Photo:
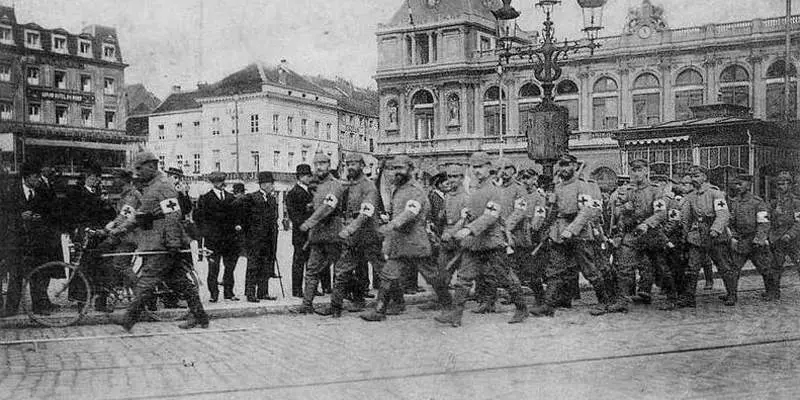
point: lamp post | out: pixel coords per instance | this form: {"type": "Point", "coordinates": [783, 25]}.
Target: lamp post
{"type": "Point", "coordinates": [549, 137]}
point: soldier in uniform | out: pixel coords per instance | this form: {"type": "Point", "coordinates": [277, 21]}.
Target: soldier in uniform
{"type": "Point", "coordinates": [323, 227]}
{"type": "Point", "coordinates": [159, 229]}
{"type": "Point", "coordinates": [578, 204]}
{"type": "Point", "coordinates": [705, 218]}
{"type": "Point", "coordinates": [784, 235]}
{"type": "Point", "coordinates": [675, 250]}
{"type": "Point", "coordinates": [130, 200]}
{"type": "Point", "coordinates": [749, 235]}
{"type": "Point", "coordinates": [641, 210]}
{"type": "Point", "coordinates": [483, 241]}
{"type": "Point", "coordinates": [406, 241]}
{"type": "Point", "coordinates": [360, 236]}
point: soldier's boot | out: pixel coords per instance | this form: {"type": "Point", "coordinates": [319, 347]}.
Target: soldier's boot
{"type": "Point", "coordinates": [602, 299]}
{"type": "Point", "coordinates": [193, 322]}
{"type": "Point", "coordinates": [430, 306]}
{"type": "Point", "coordinates": [486, 307]}
{"type": "Point", "coordinates": [642, 298]}
{"type": "Point", "coordinates": [379, 313]}
{"type": "Point", "coordinates": [731, 288]}
{"type": "Point", "coordinates": [521, 314]}
{"type": "Point", "coordinates": [443, 298]}
{"type": "Point", "coordinates": [304, 308]}
{"type": "Point", "coordinates": [774, 289]}
{"type": "Point", "coordinates": [544, 310]}
{"type": "Point", "coordinates": [398, 305]}
{"type": "Point", "coordinates": [356, 306]}
{"type": "Point", "coordinates": [538, 293]}
{"type": "Point", "coordinates": [101, 303]}
{"type": "Point", "coordinates": [620, 305]}
{"type": "Point", "coordinates": [453, 316]}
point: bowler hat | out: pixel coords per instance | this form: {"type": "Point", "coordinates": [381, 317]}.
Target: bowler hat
{"type": "Point", "coordinates": [174, 171]}
{"type": "Point", "coordinates": [143, 157]}
{"type": "Point", "coordinates": [265, 177]}
{"type": "Point", "coordinates": [438, 178]}
{"type": "Point", "coordinates": [321, 157]}
{"type": "Point", "coordinates": [216, 176]}
{"type": "Point", "coordinates": [238, 187]}
{"type": "Point", "coordinates": [303, 169]}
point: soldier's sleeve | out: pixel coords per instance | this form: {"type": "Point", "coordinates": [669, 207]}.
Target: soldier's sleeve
{"type": "Point", "coordinates": [330, 203]}
{"type": "Point", "coordinates": [660, 204]}
{"type": "Point", "coordinates": [589, 212]}
{"type": "Point", "coordinates": [539, 213]}
{"type": "Point", "coordinates": [617, 200]}
{"type": "Point", "coordinates": [762, 220]}
{"type": "Point", "coordinates": [126, 212]}
{"type": "Point", "coordinates": [490, 216]}
{"type": "Point", "coordinates": [518, 214]}
{"type": "Point", "coordinates": [721, 212]}
{"type": "Point", "coordinates": [413, 209]}
{"type": "Point", "coordinates": [173, 225]}
{"type": "Point", "coordinates": [366, 210]}
{"type": "Point", "coordinates": [794, 231]}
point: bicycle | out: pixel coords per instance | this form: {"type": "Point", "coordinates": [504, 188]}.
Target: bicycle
{"type": "Point", "coordinates": [70, 295]}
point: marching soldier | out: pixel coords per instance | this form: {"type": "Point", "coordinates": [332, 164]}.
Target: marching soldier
{"type": "Point", "coordinates": [641, 209]}
{"type": "Point", "coordinates": [750, 230]}
{"type": "Point", "coordinates": [784, 234]}
{"type": "Point", "coordinates": [129, 201]}
{"type": "Point", "coordinates": [483, 242]}
{"type": "Point", "coordinates": [160, 229]}
{"type": "Point", "coordinates": [675, 251]}
{"type": "Point", "coordinates": [362, 241]}
{"type": "Point", "coordinates": [323, 227]}
{"type": "Point", "coordinates": [577, 203]}
{"type": "Point", "coordinates": [406, 241]}
{"type": "Point", "coordinates": [705, 218]}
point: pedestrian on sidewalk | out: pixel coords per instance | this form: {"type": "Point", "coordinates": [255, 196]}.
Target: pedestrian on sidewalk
{"type": "Point", "coordinates": [216, 219]}
{"type": "Point", "coordinates": [299, 207]}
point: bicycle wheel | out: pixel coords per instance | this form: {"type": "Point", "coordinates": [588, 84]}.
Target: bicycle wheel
{"type": "Point", "coordinates": [59, 294]}
{"type": "Point", "coordinates": [164, 308]}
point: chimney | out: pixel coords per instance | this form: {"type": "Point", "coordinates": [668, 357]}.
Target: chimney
{"type": "Point", "coordinates": [282, 72]}
{"type": "Point", "coordinates": [176, 89]}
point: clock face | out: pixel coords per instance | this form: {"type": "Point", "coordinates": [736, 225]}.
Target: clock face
{"type": "Point", "coordinates": [644, 32]}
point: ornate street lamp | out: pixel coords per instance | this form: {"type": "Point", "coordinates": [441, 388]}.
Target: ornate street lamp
{"type": "Point", "coordinates": [549, 137]}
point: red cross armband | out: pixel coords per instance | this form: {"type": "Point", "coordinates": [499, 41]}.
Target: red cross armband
{"type": "Point", "coordinates": [492, 209]}
{"type": "Point", "coordinates": [521, 204]}
{"type": "Point", "coordinates": [169, 206]}
{"type": "Point", "coordinates": [720, 205]}
{"type": "Point", "coordinates": [367, 209]}
{"type": "Point", "coordinates": [330, 200]}
{"type": "Point", "coordinates": [659, 205]}
{"type": "Point", "coordinates": [762, 217]}
{"type": "Point", "coordinates": [413, 207]}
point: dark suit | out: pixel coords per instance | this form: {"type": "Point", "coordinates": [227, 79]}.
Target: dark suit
{"type": "Point", "coordinates": [299, 206]}
{"type": "Point", "coordinates": [258, 216]}
{"type": "Point", "coordinates": [29, 243]}
{"type": "Point", "coordinates": [216, 219]}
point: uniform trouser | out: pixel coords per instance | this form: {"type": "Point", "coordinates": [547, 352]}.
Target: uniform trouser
{"type": "Point", "coordinates": [676, 260]}
{"type": "Point", "coordinates": [445, 256]}
{"type": "Point", "coordinates": [392, 273]}
{"type": "Point", "coordinates": [260, 266]}
{"type": "Point", "coordinates": [322, 256]}
{"type": "Point", "coordinates": [38, 286]}
{"type": "Point", "coordinates": [530, 270]}
{"type": "Point", "coordinates": [346, 275]}
{"type": "Point", "coordinates": [494, 267]}
{"type": "Point", "coordinates": [565, 260]}
{"type": "Point", "coordinates": [782, 249]}
{"type": "Point", "coordinates": [410, 277]}
{"type": "Point", "coordinates": [299, 260]}
{"type": "Point", "coordinates": [719, 253]}
{"type": "Point", "coordinates": [765, 264]}
{"type": "Point", "coordinates": [631, 257]}
{"type": "Point", "coordinates": [168, 269]}
{"type": "Point", "coordinates": [229, 255]}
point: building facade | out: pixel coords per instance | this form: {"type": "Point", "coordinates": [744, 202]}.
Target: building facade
{"type": "Point", "coordinates": [61, 101]}
{"type": "Point", "coordinates": [442, 98]}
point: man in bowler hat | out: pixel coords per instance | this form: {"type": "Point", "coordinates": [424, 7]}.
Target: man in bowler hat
{"type": "Point", "coordinates": [258, 221]}
{"type": "Point", "coordinates": [300, 206]}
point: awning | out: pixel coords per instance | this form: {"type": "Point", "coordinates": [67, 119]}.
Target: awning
{"type": "Point", "coordinates": [81, 145]}
{"type": "Point", "coordinates": [660, 140]}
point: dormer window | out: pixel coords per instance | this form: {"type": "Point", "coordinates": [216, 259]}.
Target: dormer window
{"type": "Point", "coordinates": [85, 48]}
{"type": "Point", "coordinates": [109, 52]}
{"type": "Point", "coordinates": [5, 35]}
{"type": "Point", "coordinates": [60, 44]}
{"type": "Point", "coordinates": [33, 40]}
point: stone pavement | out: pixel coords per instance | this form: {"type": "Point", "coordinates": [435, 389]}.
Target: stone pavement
{"type": "Point", "coordinates": [708, 352]}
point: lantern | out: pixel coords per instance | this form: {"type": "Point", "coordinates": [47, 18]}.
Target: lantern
{"type": "Point", "coordinates": [548, 5]}
{"type": "Point", "coordinates": [592, 17]}
{"type": "Point", "coordinates": [506, 23]}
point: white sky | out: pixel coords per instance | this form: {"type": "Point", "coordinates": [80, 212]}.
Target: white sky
{"type": "Point", "coordinates": [182, 42]}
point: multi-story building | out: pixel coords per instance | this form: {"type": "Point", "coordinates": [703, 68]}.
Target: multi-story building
{"type": "Point", "coordinates": [441, 97]}
{"type": "Point", "coordinates": [60, 96]}
{"type": "Point", "coordinates": [358, 123]}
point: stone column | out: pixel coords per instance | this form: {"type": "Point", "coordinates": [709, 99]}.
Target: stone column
{"type": "Point", "coordinates": [413, 49]}
{"type": "Point", "coordinates": [712, 81]}
{"type": "Point", "coordinates": [668, 98]}
{"type": "Point", "coordinates": [759, 88]}
{"type": "Point", "coordinates": [585, 101]}
{"type": "Point", "coordinates": [478, 104]}
{"type": "Point", "coordinates": [625, 99]}
{"type": "Point", "coordinates": [462, 121]}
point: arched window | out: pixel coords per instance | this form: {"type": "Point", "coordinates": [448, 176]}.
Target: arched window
{"type": "Point", "coordinates": [605, 104]}
{"type": "Point", "coordinates": [453, 109]}
{"type": "Point", "coordinates": [646, 100]}
{"type": "Point", "coordinates": [422, 105]}
{"type": "Point", "coordinates": [494, 112]}
{"type": "Point", "coordinates": [735, 86]}
{"type": "Point", "coordinates": [567, 96]}
{"type": "Point", "coordinates": [776, 74]}
{"type": "Point", "coordinates": [688, 93]}
{"type": "Point", "coordinates": [391, 115]}
{"type": "Point", "coordinates": [529, 96]}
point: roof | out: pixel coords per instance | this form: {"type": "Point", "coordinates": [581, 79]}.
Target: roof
{"type": "Point", "coordinates": [178, 102]}
{"type": "Point", "coordinates": [423, 13]}
{"type": "Point", "coordinates": [351, 98]}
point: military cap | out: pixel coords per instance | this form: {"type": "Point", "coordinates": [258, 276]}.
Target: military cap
{"type": "Point", "coordinates": [454, 169]}
{"type": "Point", "coordinates": [784, 176]}
{"type": "Point", "coordinates": [438, 178]}
{"type": "Point", "coordinates": [639, 163]}
{"type": "Point", "coordinates": [686, 179]}
{"type": "Point", "coordinates": [174, 171]}
{"type": "Point", "coordinates": [216, 176]}
{"type": "Point", "coordinates": [659, 178]}
{"type": "Point", "coordinates": [506, 163]}
{"type": "Point", "coordinates": [30, 168]}
{"type": "Point", "coordinates": [353, 157]}
{"type": "Point", "coordinates": [238, 187]}
{"type": "Point", "coordinates": [530, 166]}
{"type": "Point", "coordinates": [143, 157]}
{"type": "Point", "coordinates": [401, 160]}
{"type": "Point", "coordinates": [479, 158]}
{"type": "Point", "coordinates": [302, 170]}
{"type": "Point", "coordinates": [321, 157]}
{"type": "Point", "coordinates": [265, 177]}
{"type": "Point", "coordinates": [744, 178]}
{"type": "Point", "coordinates": [567, 159]}
{"type": "Point", "coordinates": [698, 169]}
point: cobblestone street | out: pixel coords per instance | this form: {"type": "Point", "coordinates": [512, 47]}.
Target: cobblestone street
{"type": "Point", "coordinates": [749, 351]}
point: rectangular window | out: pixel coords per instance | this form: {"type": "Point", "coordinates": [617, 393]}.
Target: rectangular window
{"type": "Point", "coordinates": [289, 125]}
{"type": "Point", "coordinates": [684, 100]}
{"type": "Point", "coordinates": [256, 160]}
{"type": "Point", "coordinates": [572, 107]}
{"type": "Point", "coordinates": [605, 113]}
{"type": "Point", "coordinates": [86, 83]}
{"type": "Point", "coordinates": [316, 129]}
{"type": "Point", "coordinates": [6, 111]}
{"type": "Point", "coordinates": [196, 128]}
{"type": "Point", "coordinates": [33, 40]}
{"type": "Point", "coordinates": [85, 48]}
{"type": "Point", "coordinates": [646, 109]}
{"type": "Point", "coordinates": [34, 113]}
{"type": "Point", "coordinates": [60, 80]}
{"type": "Point", "coordinates": [486, 43]}
{"type": "Point", "coordinates": [59, 44]}
{"type": "Point", "coordinates": [328, 131]}
{"type": "Point", "coordinates": [179, 160]}
{"type": "Point", "coordinates": [108, 86]}
{"type": "Point", "coordinates": [291, 160]}
{"type": "Point", "coordinates": [5, 73]}
{"type": "Point", "coordinates": [276, 158]}
{"type": "Point", "coordinates": [179, 130]}
{"type": "Point", "coordinates": [303, 127]}
{"type": "Point", "coordinates": [5, 35]}
{"type": "Point", "coordinates": [196, 164]}
{"type": "Point", "coordinates": [61, 115]}
{"type": "Point", "coordinates": [739, 95]}
{"type": "Point", "coordinates": [33, 76]}
{"type": "Point", "coordinates": [254, 123]}
{"type": "Point", "coordinates": [111, 117]}
{"type": "Point", "coordinates": [776, 101]}
{"type": "Point", "coordinates": [161, 134]}
{"type": "Point", "coordinates": [109, 52]}
{"type": "Point", "coordinates": [215, 157]}
{"type": "Point", "coordinates": [162, 162]}
{"type": "Point", "coordinates": [275, 122]}
{"type": "Point", "coordinates": [215, 126]}
{"type": "Point", "coordinates": [304, 156]}
{"type": "Point", "coordinates": [86, 117]}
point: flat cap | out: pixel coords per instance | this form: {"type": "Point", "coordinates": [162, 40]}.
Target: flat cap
{"type": "Point", "coordinates": [530, 166]}
{"type": "Point", "coordinates": [321, 157]}
{"type": "Point", "coordinates": [438, 178]}
{"type": "Point", "coordinates": [265, 177]}
{"type": "Point", "coordinates": [639, 163]}
{"type": "Point", "coordinates": [216, 176]}
{"type": "Point", "coordinates": [504, 163]}
{"type": "Point", "coordinates": [567, 159]}
{"type": "Point", "coordinates": [698, 169]}
{"type": "Point", "coordinates": [303, 169]}
{"type": "Point", "coordinates": [659, 178]}
{"type": "Point", "coordinates": [353, 157]}
{"type": "Point", "coordinates": [143, 157]}
{"type": "Point", "coordinates": [401, 160]}
{"type": "Point", "coordinates": [479, 158]}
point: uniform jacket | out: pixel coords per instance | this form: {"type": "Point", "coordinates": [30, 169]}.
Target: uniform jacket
{"type": "Point", "coordinates": [484, 208]}
{"type": "Point", "coordinates": [672, 226]}
{"type": "Point", "coordinates": [705, 210]}
{"type": "Point", "coordinates": [326, 222]}
{"type": "Point", "coordinates": [166, 230]}
{"type": "Point", "coordinates": [299, 206]}
{"type": "Point", "coordinates": [360, 215]}
{"type": "Point", "coordinates": [579, 205]}
{"type": "Point", "coordinates": [129, 201]}
{"type": "Point", "coordinates": [509, 193]}
{"type": "Point", "coordinates": [216, 218]}
{"type": "Point", "coordinates": [257, 214]}
{"type": "Point", "coordinates": [646, 204]}
{"type": "Point", "coordinates": [406, 234]}
{"type": "Point", "coordinates": [437, 214]}
{"type": "Point", "coordinates": [88, 209]}
{"type": "Point", "coordinates": [749, 220]}
{"type": "Point", "coordinates": [785, 217]}
{"type": "Point", "coordinates": [455, 214]}
{"type": "Point", "coordinates": [527, 217]}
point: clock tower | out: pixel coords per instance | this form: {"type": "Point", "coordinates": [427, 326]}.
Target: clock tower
{"type": "Point", "coordinates": [645, 19]}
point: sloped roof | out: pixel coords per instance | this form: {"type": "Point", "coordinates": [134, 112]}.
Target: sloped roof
{"type": "Point", "coordinates": [243, 81]}
{"type": "Point", "coordinates": [140, 100]}
{"type": "Point", "coordinates": [179, 101]}
{"type": "Point", "coordinates": [423, 13]}
{"type": "Point", "coordinates": [351, 98]}
{"type": "Point", "coordinates": [292, 80]}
